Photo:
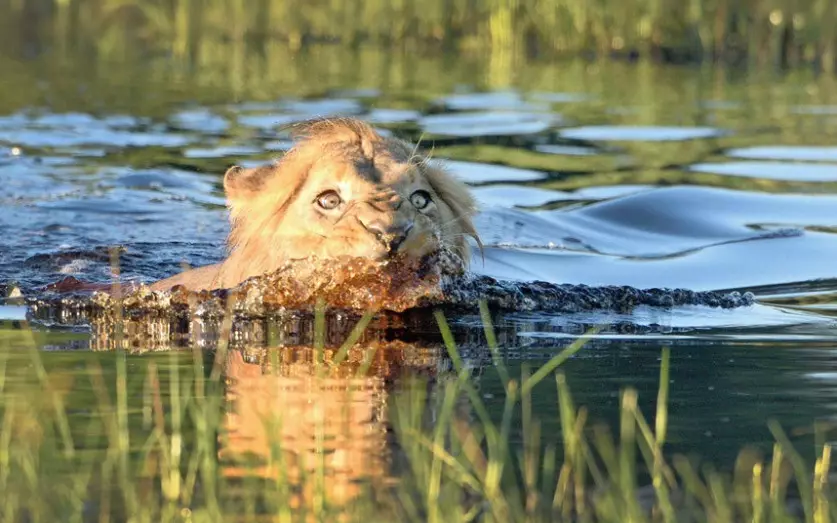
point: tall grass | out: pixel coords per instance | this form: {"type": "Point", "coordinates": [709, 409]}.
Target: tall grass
{"type": "Point", "coordinates": [156, 447]}
{"type": "Point", "coordinates": [781, 32]}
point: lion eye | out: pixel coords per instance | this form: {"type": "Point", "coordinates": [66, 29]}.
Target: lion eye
{"type": "Point", "coordinates": [420, 199]}
{"type": "Point", "coordinates": [329, 200]}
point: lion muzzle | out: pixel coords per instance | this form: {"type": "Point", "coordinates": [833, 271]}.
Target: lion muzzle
{"type": "Point", "coordinates": [391, 236]}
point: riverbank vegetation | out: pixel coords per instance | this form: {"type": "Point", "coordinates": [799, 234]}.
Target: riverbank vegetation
{"type": "Point", "coordinates": [779, 33]}
{"type": "Point", "coordinates": [102, 442]}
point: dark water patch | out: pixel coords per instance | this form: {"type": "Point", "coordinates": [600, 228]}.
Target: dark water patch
{"type": "Point", "coordinates": [53, 261]}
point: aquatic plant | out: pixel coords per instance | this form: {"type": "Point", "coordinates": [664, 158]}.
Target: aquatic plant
{"type": "Point", "coordinates": [782, 33]}
{"type": "Point", "coordinates": [157, 446]}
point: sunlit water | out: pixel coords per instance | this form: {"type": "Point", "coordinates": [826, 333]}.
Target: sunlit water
{"type": "Point", "coordinates": [619, 174]}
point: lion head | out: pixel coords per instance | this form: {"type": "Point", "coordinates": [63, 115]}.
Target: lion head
{"type": "Point", "coordinates": [343, 190]}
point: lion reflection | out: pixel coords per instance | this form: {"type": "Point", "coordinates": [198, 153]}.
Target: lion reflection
{"type": "Point", "coordinates": [294, 414]}
{"type": "Point", "coordinates": [306, 419]}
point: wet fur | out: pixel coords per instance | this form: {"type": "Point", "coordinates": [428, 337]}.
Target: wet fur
{"type": "Point", "coordinates": [261, 239]}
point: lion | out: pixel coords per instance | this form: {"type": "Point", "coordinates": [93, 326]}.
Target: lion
{"type": "Point", "coordinates": [342, 191]}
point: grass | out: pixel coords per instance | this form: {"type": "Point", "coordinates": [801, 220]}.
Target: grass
{"type": "Point", "coordinates": [780, 32]}
{"type": "Point", "coordinates": [102, 443]}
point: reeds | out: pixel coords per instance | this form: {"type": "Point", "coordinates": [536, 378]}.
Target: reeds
{"type": "Point", "coordinates": [144, 448]}
{"type": "Point", "coordinates": [782, 32]}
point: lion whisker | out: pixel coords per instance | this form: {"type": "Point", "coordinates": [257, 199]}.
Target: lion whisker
{"type": "Point", "coordinates": [429, 156]}
{"type": "Point", "coordinates": [454, 221]}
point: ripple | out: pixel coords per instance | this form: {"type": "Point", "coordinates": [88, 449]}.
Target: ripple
{"type": "Point", "coordinates": [355, 93]}
{"type": "Point", "coordinates": [607, 192]}
{"type": "Point", "coordinates": [688, 318]}
{"type": "Point", "coordinates": [269, 121]}
{"type": "Point", "coordinates": [101, 206]}
{"type": "Point", "coordinates": [489, 101]}
{"type": "Point", "coordinates": [221, 151]}
{"type": "Point", "coordinates": [720, 105]}
{"type": "Point", "coordinates": [124, 121]}
{"type": "Point", "coordinates": [278, 145]}
{"type": "Point", "coordinates": [65, 120]}
{"type": "Point", "coordinates": [72, 120]}
{"type": "Point", "coordinates": [14, 120]}
{"type": "Point", "coordinates": [786, 152]}
{"type": "Point", "coordinates": [509, 195]}
{"type": "Point", "coordinates": [324, 107]}
{"type": "Point", "coordinates": [200, 120]}
{"type": "Point", "coordinates": [504, 195]}
{"type": "Point", "coordinates": [488, 123]}
{"type": "Point", "coordinates": [771, 170]}
{"type": "Point", "coordinates": [561, 98]}
{"type": "Point", "coordinates": [639, 133]}
{"type": "Point", "coordinates": [566, 150]}
{"type": "Point", "coordinates": [107, 137]}
{"type": "Point", "coordinates": [80, 129]}
{"type": "Point", "coordinates": [827, 110]}
{"type": "Point", "coordinates": [148, 180]}
{"type": "Point", "coordinates": [473, 172]}
{"type": "Point", "coordinates": [155, 179]}
{"type": "Point", "coordinates": [376, 116]}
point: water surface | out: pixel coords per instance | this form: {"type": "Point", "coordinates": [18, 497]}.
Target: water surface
{"type": "Point", "coordinates": [608, 174]}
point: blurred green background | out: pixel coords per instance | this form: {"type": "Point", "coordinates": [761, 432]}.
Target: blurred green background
{"type": "Point", "coordinates": [766, 32]}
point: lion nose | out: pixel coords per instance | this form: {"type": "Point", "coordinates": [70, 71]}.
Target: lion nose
{"type": "Point", "coordinates": [391, 236]}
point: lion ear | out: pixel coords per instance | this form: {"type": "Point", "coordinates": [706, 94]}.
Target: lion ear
{"type": "Point", "coordinates": [241, 183]}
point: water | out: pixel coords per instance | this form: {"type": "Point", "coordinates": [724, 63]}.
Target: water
{"type": "Point", "coordinates": [608, 174]}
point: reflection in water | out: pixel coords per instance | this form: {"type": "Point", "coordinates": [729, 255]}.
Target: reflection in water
{"type": "Point", "coordinates": [314, 420]}
{"type": "Point", "coordinates": [329, 421]}
{"type": "Point", "coordinates": [729, 376]}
